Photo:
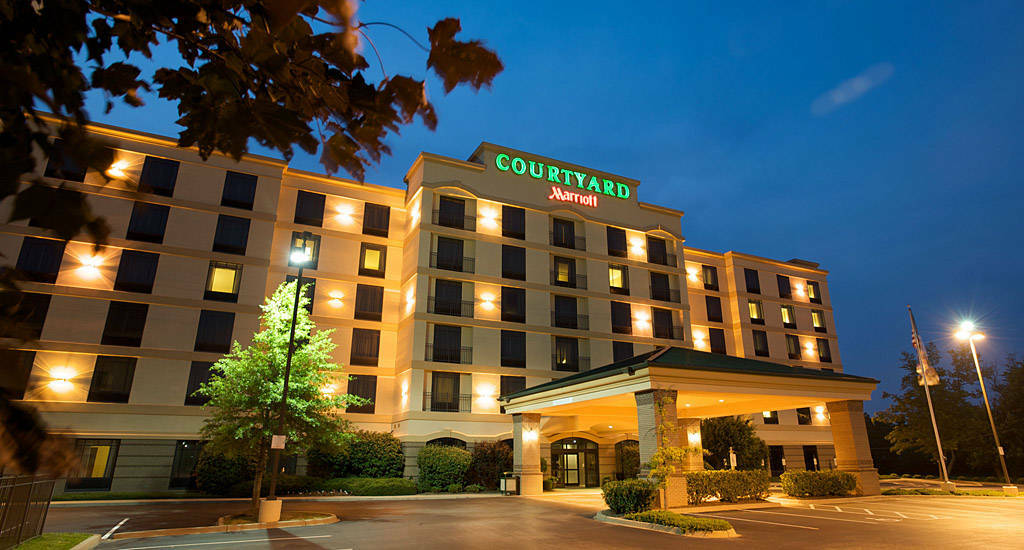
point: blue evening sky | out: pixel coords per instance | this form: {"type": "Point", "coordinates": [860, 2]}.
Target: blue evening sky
{"type": "Point", "coordinates": [881, 139]}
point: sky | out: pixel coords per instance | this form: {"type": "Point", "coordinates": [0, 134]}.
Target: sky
{"type": "Point", "coordinates": [880, 139]}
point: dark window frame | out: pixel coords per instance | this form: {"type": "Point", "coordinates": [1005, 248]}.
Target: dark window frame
{"type": "Point", "coordinates": [716, 336]}
{"type": "Point", "coordinates": [613, 236]}
{"type": "Point", "coordinates": [513, 222]}
{"type": "Point", "coordinates": [620, 352]}
{"type": "Point", "coordinates": [126, 331]}
{"type": "Point", "coordinates": [513, 349]}
{"type": "Point", "coordinates": [713, 283]}
{"type": "Point", "coordinates": [510, 255]}
{"type": "Point", "coordinates": [369, 302]}
{"type": "Point", "coordinates": [159, 176]}
{"type": "Point", "coordinates": [513, 299]}
{"type": "Point", "coordinates": [785, 287]}
{"type": "Point", "coordinates": [109, 365]}
{"type": "Point", "coordinates": [145, 264]}
{"type": "Point", "coordinates": [239, 190]}
{"type": "Point", "coordinates": [16, 371]}
{"type": "Point", "coordinates": [376, 219]}
{"type": "Point", "coordinates": [365, 348]}
{"type": "Point", "coordinates": [198, 374]}
{"type": "Point", "coordinates": [138, 223]}
{"type": "Point", "coordinates": [365, 386]}
{"type": "Point", "coordinates": [309, 208]}
{"type": "Point", "coordinates": [227, 238]}
{"type": "Point", "coordinates": [212, 342]}
{"type": "Point", "coordinates": [710, 310]}
{"type": "Point", "coordinates": [40, 259]}
{"type": "Point", "coordinates": [761, 351]}
{"type": "Point", "coordinates": [752, 280]}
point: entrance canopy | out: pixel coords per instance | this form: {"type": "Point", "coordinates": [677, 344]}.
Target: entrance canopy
{"type": "Point", "coordinates": [707, 385]}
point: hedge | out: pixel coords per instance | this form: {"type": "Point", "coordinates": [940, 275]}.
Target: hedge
{"type": "Point", "coordinates": [629, 495]}
{"type": "Point", "coordinates": [441, 466]}
{"type": "Point", "coordinates": [367, 454]}
{"type": "Point", "coordinates": [687, 524]}
{"type": "Point", "coordinates": [489, 460]}
{"type": "Point", "coordinates": [286, 485]}
{"type": "Point", "coordinates": [370, 486]}
{"type": "Point", "coordinates": [818, 484]}
{"type": "Point", "coordinates": [726, 485]}
{"type": "Point", "coordinates": [217, 474]}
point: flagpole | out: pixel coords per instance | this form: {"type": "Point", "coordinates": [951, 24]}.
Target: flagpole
{"type": "Point", "coordinates": [923, 369]}
{"type": "Point", "coordinates": [935, 428]}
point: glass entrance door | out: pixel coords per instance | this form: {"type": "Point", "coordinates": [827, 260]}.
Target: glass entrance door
{"type": "Point", "coordinates": [574, 462]}
{"type": "Point", "coordinates": [571, 469]}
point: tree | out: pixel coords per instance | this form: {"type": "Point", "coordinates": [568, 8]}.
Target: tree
{"type": "Point", "coordinates": [1009, 413]}
{"type": "Point", "coordinates": [910, 461]}
{"type": "Point", "coordinates": [718, 435]}
{"type": "Point", "coordinates": [245, 390]}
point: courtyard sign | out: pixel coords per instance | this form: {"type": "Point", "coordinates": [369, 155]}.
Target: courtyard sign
{"type": "Point", "coordinates": [554, 174]}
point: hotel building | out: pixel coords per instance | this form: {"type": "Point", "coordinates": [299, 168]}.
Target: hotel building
{"type": "Point", "coordinates": [481, 278]}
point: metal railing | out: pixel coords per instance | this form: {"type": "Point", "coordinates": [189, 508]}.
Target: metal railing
{"type": "Point", "coordinates": [579, 322]}
{"type": "Point", "coordinates": [466, 265]}
{"type": "Point", "coordinates": [24, 502]}
{"type": "Point", "coordinates": [668, 333]}
{"type": "Point", "coordinates": [464, 222]}
{"type": "Point", "coordinates": [570, 281]}
{"type": "Point", "coordinates": [665, 294]}
{"type": "Point", "coordinates": [464, 403]}
{"type": "Point", "coordinates": [582, 363]}
{"type": "Point", "coordinates": [446, 354]}
{"type": "Point", "coordinates": [458, 308]}
{"type": "Point", "coordinates": [668, 259]}
{"type": "Point", "coordinates": [577, 243]}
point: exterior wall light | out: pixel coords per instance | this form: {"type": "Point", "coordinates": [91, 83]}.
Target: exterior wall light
{"type": "Point", "coordinates": [637, 246]}
{"type": "Point", "coordinates": [799, 287]}
{"type": "Point", "coordinates": [61, 382]}
{"type": "Point", "coordinates": [117, 169]}
{"type": "Point", "coordinates": [328, 389]}
{"type": "Point", "coordinates": [344, 214]}
{"type": "Point", "coordinates": [529, 435]}
{"type": "Point", "coordinates": [410, 300]}
{"type": "Point", "coordinates": [336, 296]}
{"type": "Point", "coordinates": [489, 218]}
{"type": "Point", "coordinates": [405, 393]}
{"type": "Point", "coordinates": [90, 267]}
{"type": "Point", "coordinates": [699, 339]}
{"type": "Point", "coordinates": [487, 302]}
{"type": "Point", "coordinates": [809, 349]}
{"type": "Point", "coordinates": [691, 274]}
{"type": "Point", "coordinates": [485, 395]}
{"type": "Point", "coordinates": [414, 214]}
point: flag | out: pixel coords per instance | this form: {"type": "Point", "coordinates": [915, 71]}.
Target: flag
{"type": "Point", "coordinates": [925, 372]}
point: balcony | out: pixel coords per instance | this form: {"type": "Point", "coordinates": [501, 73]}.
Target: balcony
{"type": "Point", "coordinates": [569, 281]}
{"type": "Point", "coordinates": [660, 259]}
{"type": "Point", "coordinates": [668, 332]}
{"type": "Point", "coordinates": [665, 294]}
{"type": "Point", "coordinates": [467, 223]}
{"type": "Point", "coordinates": [579, 322]}
{"type": "Point", "coordinates": [448, 354]}
{"type": "Point", "coordinates": [575, 243]}
{"type": "Point", "coordinates": [566, 364]}
{"type": "Point", "coordinates": [456, 308]}
{"type": "Point", "coordinates": [443, 261]}
{"type": "Point", "coordinates": [447, 403]}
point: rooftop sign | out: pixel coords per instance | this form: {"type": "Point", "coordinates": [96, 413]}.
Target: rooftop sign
{"type": "Point", "coordinates": [569, 178]}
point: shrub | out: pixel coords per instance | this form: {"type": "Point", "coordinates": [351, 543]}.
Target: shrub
{"type": "Point", "coordinates": [371, 486]}
{"type": "Point", "coordinates": [727, 485]}
{"type": "Point", "coordinates": [549, 484]}
{"type": "Point", "coordinates": [286, 485]}
{"type": "Point", "coordinates": [629, 495]}
{"type": "Point", "coordinates": [454, 488]}
{"type": "Point", "coordinates": [216, 474]}
{"type": "Point", "coordinates": [328, 464]}
{"type": "Point", "coordinates": [686, 524]}
{"type": "Point", "coordinates": [366, 454]}
{"type": "Point", "coordinates": [818, 484]}
{"type": "Point", "coordinates": [441, 466]}
{"type": "Point", "coordinates": [475, 488]}
{"type": "Point", "coordinates": [489, 460]}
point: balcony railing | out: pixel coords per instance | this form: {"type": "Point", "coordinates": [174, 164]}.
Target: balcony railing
{"type": "Point", "coordinates": [457, 222]}
{"type": "Point", "coordinates": [465, 265]}
{"type": "Point", "coordinates": [569, 281]}
{"type": "Point", "coordinates": [579, 322]}
{"type": "Point", "coordinates": [668, 333]}
{"type": "Point", "coordinates": [568, 365]}
{"type": "Point", "coordinates": [667, 259]}
{"type": "Point", "coordinates": [462, 403]}
{"type": "Point", "coordinates": [665, 294]}
{"type": "Point", "coordinates": [457, 308]}
{"type": "Point", "coordinates": [577, 243]}
{"type": "Point", "coordinates": [448, 354]}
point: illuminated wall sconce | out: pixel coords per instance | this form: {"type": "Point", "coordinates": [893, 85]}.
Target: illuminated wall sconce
{"type": "Point", "coordinates": [693, 438]}
{"type": "Point", "coordinates": [691, 274]}
{"type": "Point", "coordinates": [819, 411]}
{"type": "Point", "coordinates": [90, 267]}
{"type": "Point", "coordinates": [329, 389]}
{"type": "Point", "coordinates": [344, 214]}
{"type": "Point", "coordinates": [489, 218]}
{"type": "Point", "coordinates": [529, 435]}
{"type": "Point", "coordinates": [486, 395]}
{"type": "Point", "coordinates": [487, 302]}
{"type": "Point", "coordinates": [336, 296]}
{"type": "Point", "coordinates": [61, 382]}
{"type": "Point", "coordinates": [699, 339]}
{"type": "Point", "coordinates": [405, 393]}
{"type": "Point", "coordinates": [637, 246]}
{"type": "Point", "coordinates": [799, 289]}
{"type": "Point", "coordinates": [117, 169]}
{"type": "Point", "coordinates": [410, 300]}
{"type": "Point", "coordinates": [809, 349]}
{"type": "Point", "coordinates": [642, 319]}
{"type": "Point", "coordinates": [414, 214]}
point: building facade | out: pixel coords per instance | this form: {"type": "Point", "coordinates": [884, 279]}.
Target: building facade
{"type": "Point", "coordinates": [483, 277]}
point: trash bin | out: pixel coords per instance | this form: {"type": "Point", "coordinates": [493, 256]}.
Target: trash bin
{"type": "Point", "coordinates": [508, 484]}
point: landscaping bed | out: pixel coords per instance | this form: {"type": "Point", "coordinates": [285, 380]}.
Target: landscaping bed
{"type": "Point", "coordinates": [53, 541]}
{"type": "Point", "coordinates": [241, 519]}
{"type": "Point", "coordinates": [958, 492]}
{"type": "Point", "coordinates": [686, 524]}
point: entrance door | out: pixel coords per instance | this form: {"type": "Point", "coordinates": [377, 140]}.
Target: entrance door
{"type": "Point", "coordinates": [811, 457]}
{"type": "Point", "coordinates": [574, 462]}
{"type": "Point", "coordinates": [571, 469]}
{"type": "Point", "coordinates": [775, 460]}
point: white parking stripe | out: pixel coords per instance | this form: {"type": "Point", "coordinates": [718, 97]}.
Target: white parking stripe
{"type": "Point", "coordinates": [868, 512]}
{"type": "Point", "coordinates": [226, 542]}
{"type": "Point", "coordinates": [112, 529]}
{"type": "Point", "coordinates": [759, 521]}
{"type": "Point", "coordinates": [809, 516]}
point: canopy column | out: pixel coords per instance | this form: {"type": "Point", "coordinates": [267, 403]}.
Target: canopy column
{"type": "Point", "coordinates": [658, 426]}
{"type": "Point", "coordinates": [690, 429]}
{"type": "Point", "coordinates": [526, 455]}
{"type": "Point", "coordinates": [853, 453]}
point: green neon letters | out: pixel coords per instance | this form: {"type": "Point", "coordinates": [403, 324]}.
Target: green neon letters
{"type": "Point", "coordinates": [555, 174]}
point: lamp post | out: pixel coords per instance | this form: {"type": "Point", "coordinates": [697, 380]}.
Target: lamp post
{"type": "Point", "coordinates": [967, 332]}
{"type": "Point", "coordinates": [300, 256]}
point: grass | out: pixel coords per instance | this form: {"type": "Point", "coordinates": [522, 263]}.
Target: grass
{"type": "Point", "coordinates": [285, 516]}
{"type": "Point", "coordinates": [686, 524]}
{"type": "Point", "coordinates": [53, 541]}
{"type": "Point", "coordinates": [125, 496]}
{"type": "Point", "coordinates": [960, 493]}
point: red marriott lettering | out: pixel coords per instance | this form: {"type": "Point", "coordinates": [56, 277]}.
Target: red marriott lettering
{"type": "Point", "coordinates": [557, 194]}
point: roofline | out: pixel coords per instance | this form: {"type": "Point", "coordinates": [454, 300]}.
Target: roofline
{"type": "Point", "coordinates": [486, 144]}
{"type": "Point", "coordinates": [344, 182]}
{"type": "Point", "coordinates": [662, 209]}
{"type": "Point", "coordinates": [745, 256]}
{"type": "Point", "coordinates": [425, 156]}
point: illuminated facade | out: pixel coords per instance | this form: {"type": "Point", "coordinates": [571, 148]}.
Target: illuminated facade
{"type": "Point", "coordinates": [483, 277]}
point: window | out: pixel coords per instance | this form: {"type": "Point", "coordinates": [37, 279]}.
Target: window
{"type": "Point", "coordinates": [803, 416]}
{"type": "Point", "coordinates": [753, 283]}
{"type": "Point", "coordinates": [814, 292]}
{"type": "Point", "coordinates": [714, 308]}
{"type": "Point", "coordinates": [373, 260]}
{"type": "Point", "coordinates": [309, 208]}
{"type": "Point", "coordinates": [818, 320]}
{"type": "Point", "coordinates": [222, 281]}
{"type": "Point", "coordinates": [618, 279]}
{"type": "Point", "coordinates": [617, 242]}
{"type": "Point", "coordinates": [788, 317]}
{"type": "Point", "coordinates": [309, 292]}
{"type": "Point", "coordinates": [136, 271]}
{"type": "Point", "coordinates": [716, 340]}
{"type": "Point", "coordinates": [61, 165]}
{"type": "Point", "coordinates": [793, 346]}
{"type": "Point", "coordinates": [27, 317]}
{"type": "Point", "coordinates": [451, 212]}
{"type": "Point", "coordinates": [785, 290]}
{"type": "Point", "coordinates": [96, 459]}
{"type": "Point", "coordinates": [657, 251]}
{"type": "Point", "coordinates": [17, 366]}
{"type": "Point", "coordinates": [811, 458]}
{"type": "Point", "coordinates": [125, 322]}
{"type": "Point", "coordinates": [513, 262]}
{"type": "Point", "coordinates": [662, 321]}
{"type": "Point", "coordinates": [447, 347]}
{"type": "Point", "coordinates": [214, 332]}
{"type": "Point", "coordinates": [445, 397]}
{"type": "Point", "coordinates": [365, 347]}
{"type": "Point", "coordinates": [622, 318]}
{"type": "Point", "coordinates": [376, 220]}
{"type": "Point", "coordinates": [365, 386]}
{"type": "Point", "coordinates": [183, 466]}
{"type": "Point", "coordinates": [710, 274]}
{"type": "Point", "coordinates": [660, 287]}
{"type": "Point", "coordinates": [513, 348]}
{"type": "Point", "coordinates": [512, 384]}
{"type": "Point", "coordinates": [198, 374]}
{"type": "Point", "coordinates": [232, 235]}
{"type": "Point", "coordinates": [756, 312]}
{"type": "Point", "coordinates": [565, 272]}
{"type": "Point", "coordinates": [770, 417]}
{"type": "Point", "coordinates": [40, 259]}
{"type": "Point", "coordinates": [369, 302]}
{"type": "Point", "coordinates": [447, 298]}
{"type": "Point", "coordinates": [563, 233]}
{"type": "Point", "coordinates": [564, 315]}
{"type": "Point", "coordinates": [622, 351]}
{"type": "Point", "coordinates": [824, 352]}
{"type": "Point", "coordinates": [513, 222]}
{"type": "Point", "coordinates": [567, 354]}
{"type": "Point", "coordinates": [239, 190]}
{"type": "Point", "coordinates": [312, 245]}
{"type": "Point", "coordinates": [148, 222]}
{"type": "Point", "coordinates": [111, 379]}
{"type": "Point", "coordinates": [450, 255]}
{"type": "Point", "coordinates": [513, 304]}
{"type": "Point", "coordinates": [760, 343]}
{"type": "Point", "coordinates": [158, 176]}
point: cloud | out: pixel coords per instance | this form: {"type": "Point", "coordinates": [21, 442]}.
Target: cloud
{"type": "Point", "coordinates": [852, 89]}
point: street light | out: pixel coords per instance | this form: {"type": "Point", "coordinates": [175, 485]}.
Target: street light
{"type": "Point", "coordinates": [967, 332]}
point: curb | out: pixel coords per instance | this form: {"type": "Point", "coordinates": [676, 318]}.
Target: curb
{"type": "Point", "coordinates": [601, 516]}
{"type": "Point", "coordinates": [298, 498]}
{"type": "Point", "coordinates": [226, 528]}
{"type": "Point", "coordinates": [726, 507]}
{"type": "Point", "coordinates": [87, 544]}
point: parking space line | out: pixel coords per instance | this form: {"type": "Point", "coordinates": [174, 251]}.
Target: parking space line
{"type": "Point", "coordinates": [759, 521]}
{"type": "Point", "coordinates": [226, 542]}
{"type": "Point", "coordinates": [915, 515]}
{"type": "Point", "coordinates": [826, 518]}
{"type": "Point", "coordinates": [112, 529]}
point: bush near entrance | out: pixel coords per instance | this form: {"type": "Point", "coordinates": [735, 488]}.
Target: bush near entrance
{"type": "Point", "coordinates": [727, 485]}
{"type": "Point", "coordinates": [629, 495]}
{"type": "Point", "coordinates": [371, 486]}
{"type": "Point", "coordinates": [818, 484]}
{"type": "Point", "coordinates": [442, 466]}
{"type": "Point", "coordinates": [687, 524]}
{"type": "Point", "coordinates": [490, 459]}
{"type": "Point", "coordinates": [216, 474]}
{"type": "Point", "coordinates": [367, 454]}
{"type": "Point", "coordinates": [286, 485]}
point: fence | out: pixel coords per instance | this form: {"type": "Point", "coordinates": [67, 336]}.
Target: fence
{"type": "Point", "coordinates": [24, 502]}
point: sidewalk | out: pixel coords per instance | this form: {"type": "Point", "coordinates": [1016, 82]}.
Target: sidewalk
{"type": "Point", "coordinates": [297, 498]}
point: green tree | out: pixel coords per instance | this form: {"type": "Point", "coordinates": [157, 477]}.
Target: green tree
{"type": "Point", "coordinates": [719, 434]}
{"type": "Point", "coordinates": [245, 390]}
{"type": "Point", "coordinates": [1008, 410]}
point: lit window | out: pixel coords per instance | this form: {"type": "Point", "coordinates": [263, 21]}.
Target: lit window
{"type": "Point", "coordinates": [756, 313]}
{"type": "Point", "coordinates": [618, 279]}
{"type": "Point", "coordinates": [813, 292]}
{"type": "Point", "coordinates": [818, 320]}
{"type": "Point", "coordinates": [222, 281]}
{"type": "Point", "coordinates": [788, 317]}
{"type": "Point", "coordinates": [372, 258]}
